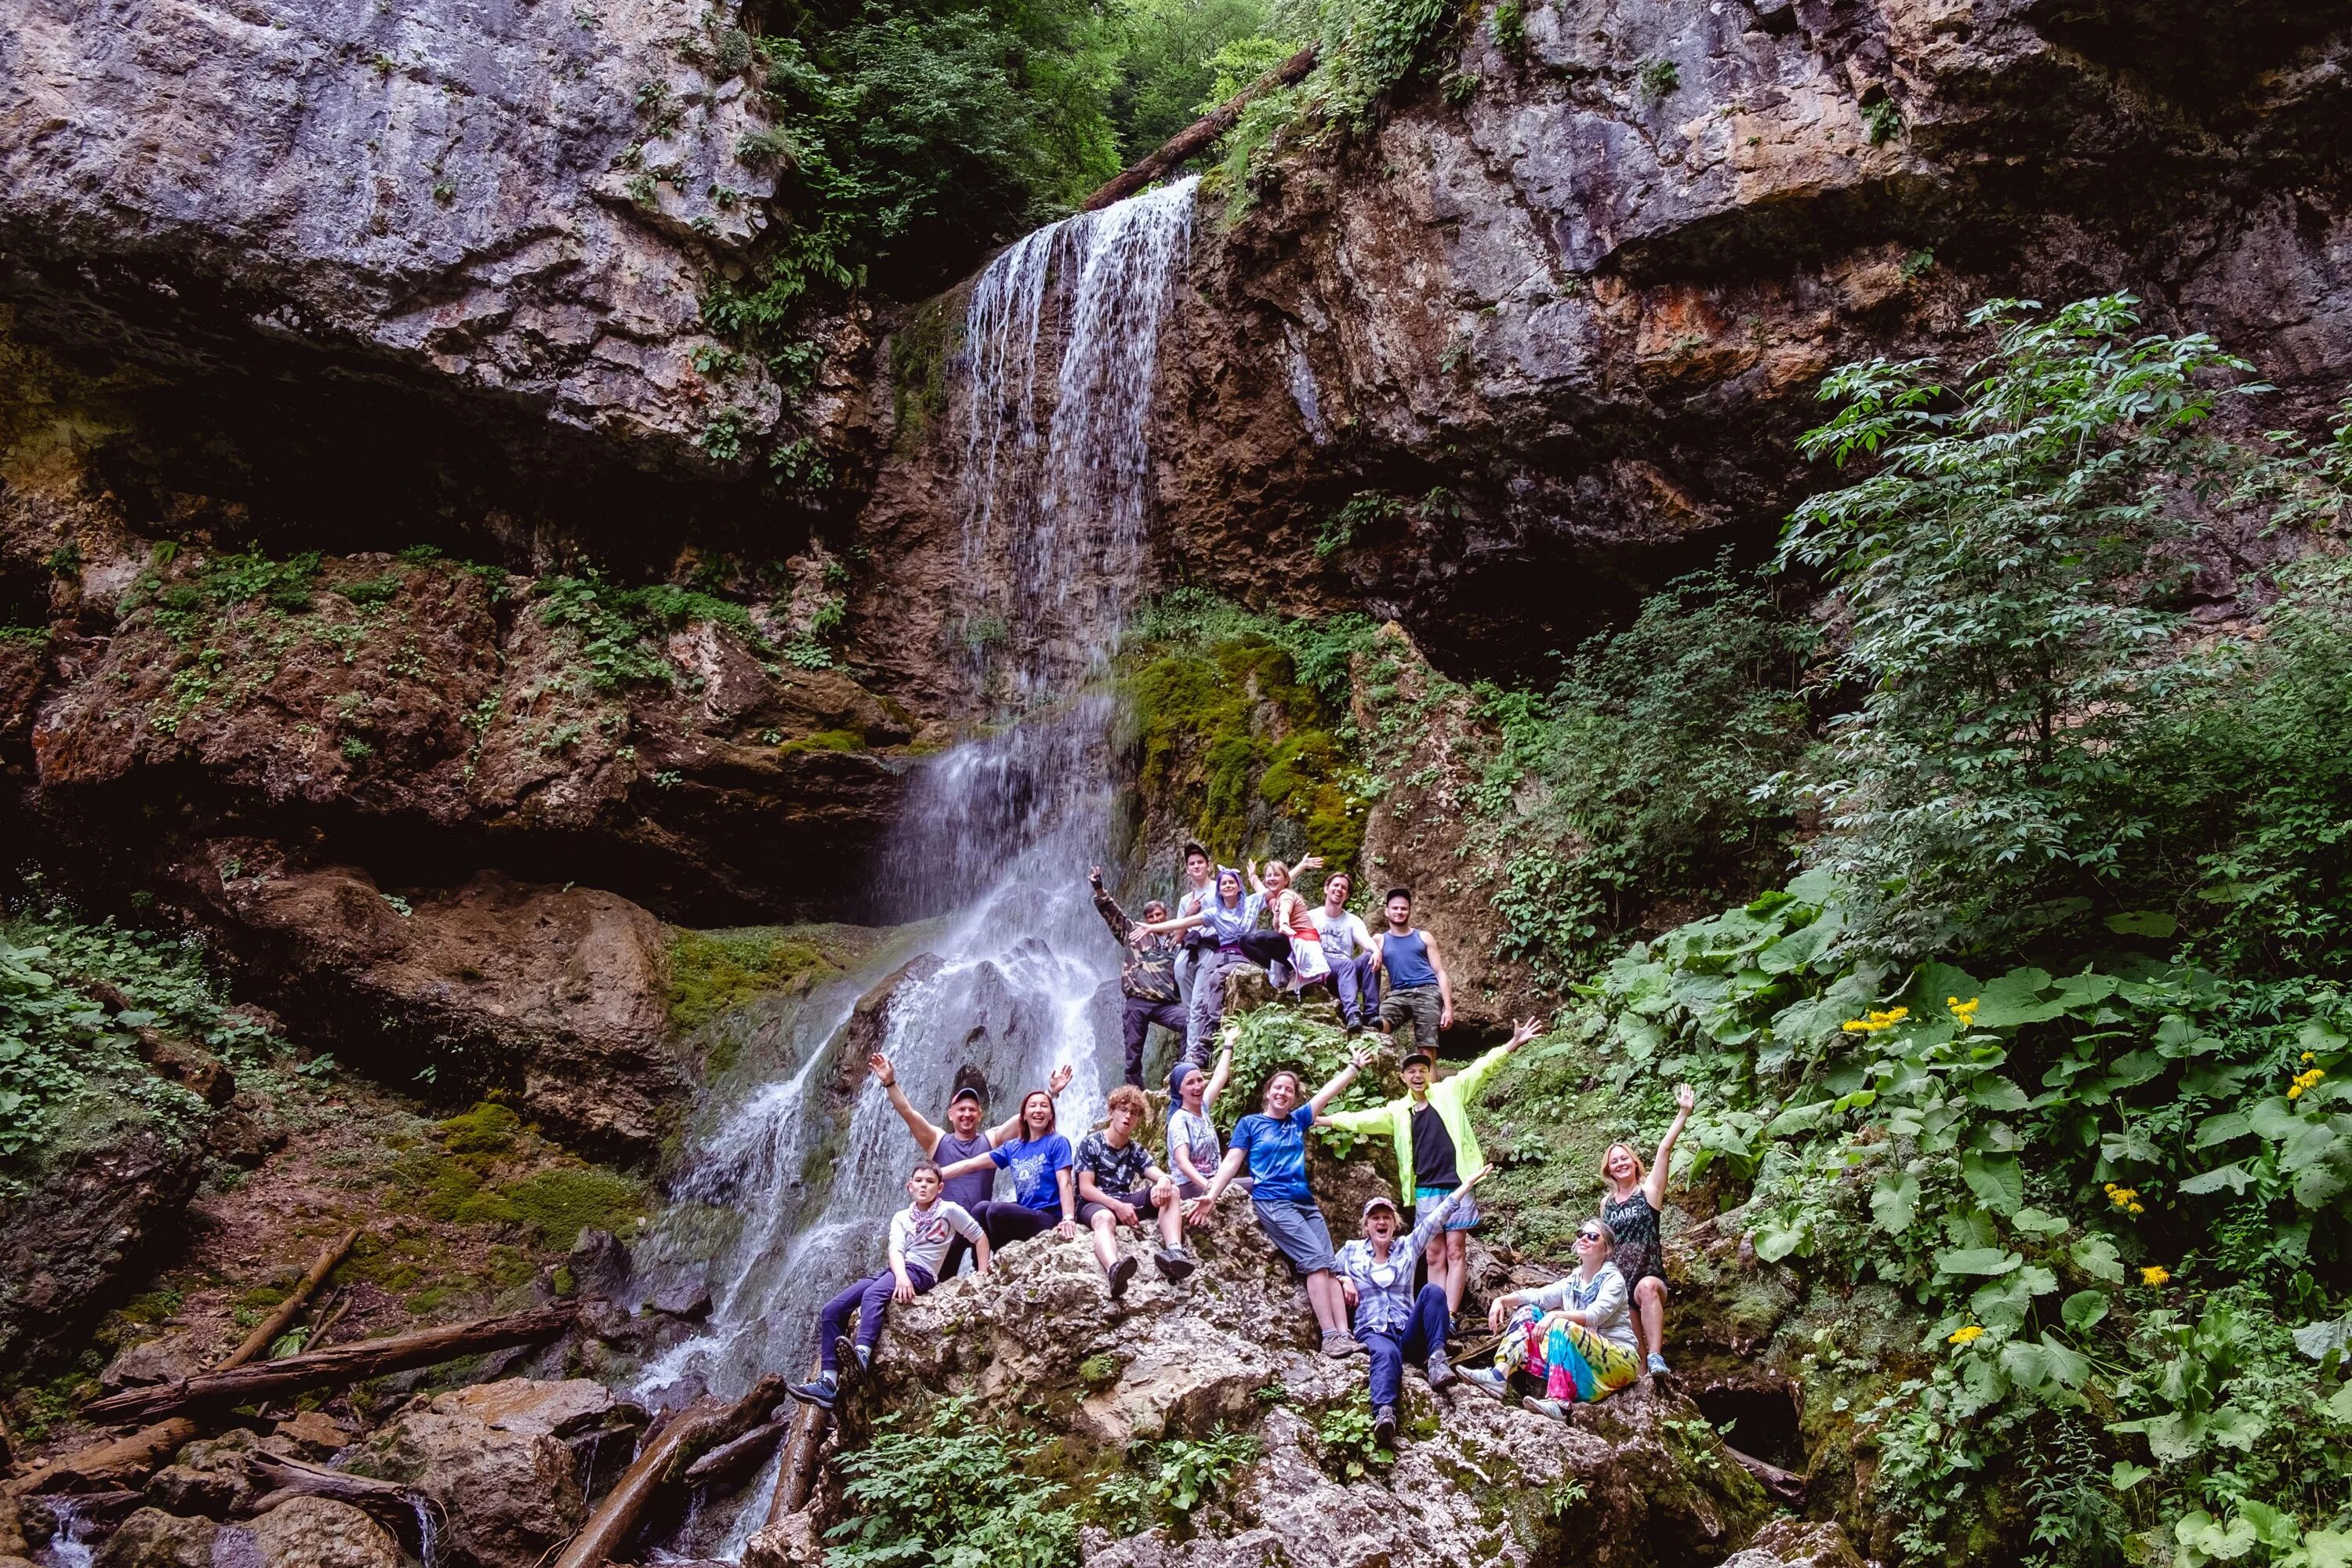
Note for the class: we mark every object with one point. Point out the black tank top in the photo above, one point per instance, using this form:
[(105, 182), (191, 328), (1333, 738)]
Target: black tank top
[(1639, 1253)]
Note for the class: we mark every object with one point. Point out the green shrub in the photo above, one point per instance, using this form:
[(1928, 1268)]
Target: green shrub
[(1163, 1482), (957, 1491)]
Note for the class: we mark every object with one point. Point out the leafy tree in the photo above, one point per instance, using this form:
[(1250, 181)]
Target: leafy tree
[(1171, 64)]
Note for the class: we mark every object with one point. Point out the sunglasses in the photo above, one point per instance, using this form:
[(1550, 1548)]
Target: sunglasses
[(1588, 1236)]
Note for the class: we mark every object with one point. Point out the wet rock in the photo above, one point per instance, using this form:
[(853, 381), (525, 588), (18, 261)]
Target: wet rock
[(152, 1538), (494, 1458), (319, 1532), (1795, 1544), (690, 1301), (12, 1528), (599, 1265), (792, 1541), (163, 1359), (209, 1477)]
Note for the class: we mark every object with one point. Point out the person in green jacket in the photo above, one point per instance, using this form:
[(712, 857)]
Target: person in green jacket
[(1436, 1151)]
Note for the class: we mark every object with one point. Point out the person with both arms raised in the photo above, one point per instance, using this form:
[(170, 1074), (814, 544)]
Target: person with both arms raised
[(918, 1239), (961, 1139), (1393, 1323), (1147, 976), (1436, 1149)]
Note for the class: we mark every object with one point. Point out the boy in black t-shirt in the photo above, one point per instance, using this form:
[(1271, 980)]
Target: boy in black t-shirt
[(1117, 1179)]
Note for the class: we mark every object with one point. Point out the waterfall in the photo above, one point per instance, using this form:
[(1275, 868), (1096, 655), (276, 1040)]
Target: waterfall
[(1016, 973)]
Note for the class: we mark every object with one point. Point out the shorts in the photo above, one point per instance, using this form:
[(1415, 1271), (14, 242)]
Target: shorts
[(1417, 1005), (1140, 1201), (1464, 1216), (1298, 1229)]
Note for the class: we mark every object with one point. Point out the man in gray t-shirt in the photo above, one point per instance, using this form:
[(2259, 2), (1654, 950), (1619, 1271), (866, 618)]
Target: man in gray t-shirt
[(961, 1139)]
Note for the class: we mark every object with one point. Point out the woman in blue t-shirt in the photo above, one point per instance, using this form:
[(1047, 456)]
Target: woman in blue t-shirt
[(1273, 1145), (1041, 1182)]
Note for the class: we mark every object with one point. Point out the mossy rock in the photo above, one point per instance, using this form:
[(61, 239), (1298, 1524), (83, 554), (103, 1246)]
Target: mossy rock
[(715, 971), (825, 740)]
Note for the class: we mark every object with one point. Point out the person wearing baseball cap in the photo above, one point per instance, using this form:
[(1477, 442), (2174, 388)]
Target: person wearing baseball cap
[(1430, 1126), (961, 1139), (1392, 1321)]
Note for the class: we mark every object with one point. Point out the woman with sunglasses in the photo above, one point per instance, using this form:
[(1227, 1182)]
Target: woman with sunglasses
[(1571, 1342)]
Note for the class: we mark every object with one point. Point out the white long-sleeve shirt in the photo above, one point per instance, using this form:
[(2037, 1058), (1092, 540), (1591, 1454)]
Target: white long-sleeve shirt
[(920, 1236), (1605, 1297)]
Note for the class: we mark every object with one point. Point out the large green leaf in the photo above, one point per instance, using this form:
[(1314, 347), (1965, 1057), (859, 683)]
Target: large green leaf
[(1998, 1181), (2095, 1256), (1977, 1261), (2016, 998), (2221, 1129), (2084, 1309), (2234, 1177), (1895, 1200)]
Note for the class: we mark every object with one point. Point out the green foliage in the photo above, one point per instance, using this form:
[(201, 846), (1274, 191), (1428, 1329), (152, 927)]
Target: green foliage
[(1344, 1434), (1633, 777), (1657, 79), (1241, 728), (1173, 56), (1882, 120), (1510, 27), (1365, 511), (65, 1055), (615, 625), (1371, 45), (1163, 1482), (716, 972), (1236, 64), (958, 1493)]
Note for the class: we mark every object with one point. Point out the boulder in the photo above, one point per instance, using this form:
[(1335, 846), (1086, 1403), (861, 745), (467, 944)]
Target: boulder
[(209, 1477), (163, 1359), (314, 1433), (1796, 1543), (493, 1457), (154, 1539), (319, 1532)]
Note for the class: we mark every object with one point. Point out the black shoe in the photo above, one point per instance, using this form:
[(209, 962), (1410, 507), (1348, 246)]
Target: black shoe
[(1384, 1428), (852, 1357), (821, 1393), (1354, 1030), (1175, 1265), (1121, 1273)]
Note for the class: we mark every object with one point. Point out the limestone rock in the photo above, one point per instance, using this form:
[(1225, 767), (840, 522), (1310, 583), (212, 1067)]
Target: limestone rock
[(209, 1477), (163, 1359), (314, 1433), (319, 1532), (154, 1539), (493, 1457), (792, 1541), (1795, 1544)]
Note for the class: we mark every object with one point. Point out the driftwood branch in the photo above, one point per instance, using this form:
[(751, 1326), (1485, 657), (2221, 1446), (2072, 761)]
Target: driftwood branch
[(729, 1460), (337, 1366), (1197, 137), (133, 1457), (1785, 1485), (666, 1458), (796, 1477)]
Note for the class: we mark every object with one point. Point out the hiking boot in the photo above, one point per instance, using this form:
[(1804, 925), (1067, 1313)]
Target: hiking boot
[(1384, 1428), (1441, 1372), (1354, 1029), (1174, 1263), (1339, 1346), (822, 1393), (851, 1355), (1121, 1273), (1557, 1409), (1657, 1365), (1486, 1380)]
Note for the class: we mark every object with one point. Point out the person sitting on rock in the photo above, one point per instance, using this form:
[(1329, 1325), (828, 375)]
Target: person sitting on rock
[(1117, 1180), (960, 1139), (1194, 1149), (1231, 916), (1632, 1208), (1435, 1148), (1570, 1341), (1348, 951), (1042, 1184), (1420, 995), (1395, 1323), (1147, 976), (1272, 1143), (919, 1240), (1299, 962)]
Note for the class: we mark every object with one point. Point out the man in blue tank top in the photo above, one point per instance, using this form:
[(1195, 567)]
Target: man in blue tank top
[(1419, 992)]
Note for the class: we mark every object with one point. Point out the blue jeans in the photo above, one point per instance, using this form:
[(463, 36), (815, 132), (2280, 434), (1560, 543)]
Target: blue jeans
[(1360, 989), (1424, 1337), (868, 1298)]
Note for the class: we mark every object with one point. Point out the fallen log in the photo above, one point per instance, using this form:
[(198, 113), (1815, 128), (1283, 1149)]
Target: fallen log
[(336, 1366), (396, 1507), (729, 1460), (1787, 1486), (671, 1451), (1197, 137), (264, 1334), (796, 1477), (133, 1456)]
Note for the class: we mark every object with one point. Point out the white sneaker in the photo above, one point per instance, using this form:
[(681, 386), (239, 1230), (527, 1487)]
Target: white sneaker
[(1657, 1365), (1556, 1408), (1487, 1380)]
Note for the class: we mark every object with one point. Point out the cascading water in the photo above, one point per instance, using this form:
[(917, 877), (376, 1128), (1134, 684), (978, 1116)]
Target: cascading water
[(1016, 975)]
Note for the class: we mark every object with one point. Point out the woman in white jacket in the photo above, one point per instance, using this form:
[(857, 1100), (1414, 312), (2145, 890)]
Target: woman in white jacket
[(1571, 1341)]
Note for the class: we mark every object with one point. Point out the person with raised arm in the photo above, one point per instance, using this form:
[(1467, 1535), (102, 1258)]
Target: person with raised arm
[(1420, 994), (1572, 1341), (1436, 1151), (1118, 1180), (919, 1234), (1043, 1188), (1147, 976), (1194, 1149), (1199, 887), (1348, 952), (1636, 1199), (1231, 915), (961, 1139), (1393, 1323), (1300, 961), (1272, 1143)]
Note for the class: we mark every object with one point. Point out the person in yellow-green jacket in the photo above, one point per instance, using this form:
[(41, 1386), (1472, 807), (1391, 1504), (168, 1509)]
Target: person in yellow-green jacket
[(1436, 1151)]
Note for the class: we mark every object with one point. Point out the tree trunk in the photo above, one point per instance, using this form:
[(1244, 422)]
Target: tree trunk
[(267, 1331), (1198, 137), (796, 1477), (333, 1368), (674, 1448)]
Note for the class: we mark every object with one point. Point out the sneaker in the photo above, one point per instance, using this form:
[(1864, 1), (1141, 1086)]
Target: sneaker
[(1174, 1263), (1339, 1346), (853, 1357), (1384, 1428), (1121, 1273), (1486, 1380), (1657, 1365), (1556, 1408), (1354, 1029), (822, 1393), (1441, 1373)]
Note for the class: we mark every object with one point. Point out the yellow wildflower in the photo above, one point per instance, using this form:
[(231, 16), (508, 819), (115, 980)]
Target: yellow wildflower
[(2134, 1209), (2121, 1196), (1876, 1021), (2155, 1274), (2306, 1055), (2295, 1093), (1966, 1012), (1968, 1334)]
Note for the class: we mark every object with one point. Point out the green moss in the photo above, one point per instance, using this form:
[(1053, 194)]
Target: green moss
[(919, 351), (561, 1203), (715, 971), (1099, 1371), (826, 740), (487, 1129)]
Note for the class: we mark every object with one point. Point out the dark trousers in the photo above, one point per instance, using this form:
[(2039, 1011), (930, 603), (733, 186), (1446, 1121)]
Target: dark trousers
[(1424, 1337), (869, 1298), (1136, 1023), (1008, 1223), (1359, 985), (958, 1249)]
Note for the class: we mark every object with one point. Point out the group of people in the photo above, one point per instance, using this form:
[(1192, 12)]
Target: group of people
[(1579, 1339)]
